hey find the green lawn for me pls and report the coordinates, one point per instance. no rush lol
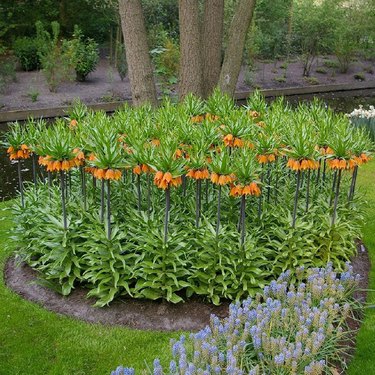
(35, 341)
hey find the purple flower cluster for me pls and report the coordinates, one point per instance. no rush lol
(293, 327)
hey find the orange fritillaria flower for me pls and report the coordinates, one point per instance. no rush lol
(337, 164)
(165, 180)
(198, 174)
(250, 189)
(302, 165)
(137, 170)
(254, 114)
(23, 153)
(112, 174)
(262, 159)
(221, 179)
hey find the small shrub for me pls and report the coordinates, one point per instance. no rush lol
(56, 63)
(312, 80)
(332, 64)
(280, 79)
(360, 76)
(321, 70)
(27, 51)
(33, 95)
(368, 69)
(83, 53)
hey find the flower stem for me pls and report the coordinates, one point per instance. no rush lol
(308, 190)
(198, 203)
(35, 179)
(63, 188)
(260, 197)
(183, 185)
(336, 197)
(318, 174)
(333, 187)
(353, 183)
(83, 186)
(109, 209)
(167, 208)
(218, 211)
(148, 194)
(243, 213)
(139, 191)
(20, 183)
(296, 199)
(102, 201)
(324, 169)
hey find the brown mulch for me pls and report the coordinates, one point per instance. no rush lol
(141, 314)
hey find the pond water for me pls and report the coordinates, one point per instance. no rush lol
(8, 169)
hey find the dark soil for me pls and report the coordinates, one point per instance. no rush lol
(105, 85)
(140, 314)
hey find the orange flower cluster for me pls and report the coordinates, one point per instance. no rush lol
(80, 156)
(326, 151)
(165, 180)
(231, 141)
(207, 116)
(155, 142)
(251, 189)
(198, 174)
(222, 179)
(22, 153)
(338, 163)
(138, 169)
(264, 159)
(302, 165)
(104, 174)
(58, 165)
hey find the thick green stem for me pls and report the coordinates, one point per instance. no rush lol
(296, 199)
(269, 182)
(102, 201)
(353, 183)
(243, 214)
(218, 211)
(63, 188)
(332, 193)
(139, 191)
(35, 178)
(308, 190)
(337, 192)
(198, 203)
(148, 194)
(109, 209)
(167, 208)
(83, 186)
(260, 197)
(20, 183)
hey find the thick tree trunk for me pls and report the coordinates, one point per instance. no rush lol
(190, 49)
(235, 46)
(212, 39)
(137, 53)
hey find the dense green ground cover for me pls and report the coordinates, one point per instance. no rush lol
(35, 341)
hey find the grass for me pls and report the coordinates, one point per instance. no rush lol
(363, 362)
(36, 341)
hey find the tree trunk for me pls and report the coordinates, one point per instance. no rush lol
(137, 53)
(212, 39)
(235, 46)
(190, 49)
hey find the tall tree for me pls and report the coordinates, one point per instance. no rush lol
(137, 52)
(235, 46)
(212, 40)
(190, 49)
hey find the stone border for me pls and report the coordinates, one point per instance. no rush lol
(24, 114)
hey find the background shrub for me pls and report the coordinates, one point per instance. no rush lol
(27, 51)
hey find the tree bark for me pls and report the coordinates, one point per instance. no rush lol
(190, 49)
(137, 53)
(235, 46)
(212, 39)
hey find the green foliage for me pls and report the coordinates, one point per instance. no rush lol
(27, 51)
(7, 70)
(55, 60)
(83, 53)
(121, 63)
